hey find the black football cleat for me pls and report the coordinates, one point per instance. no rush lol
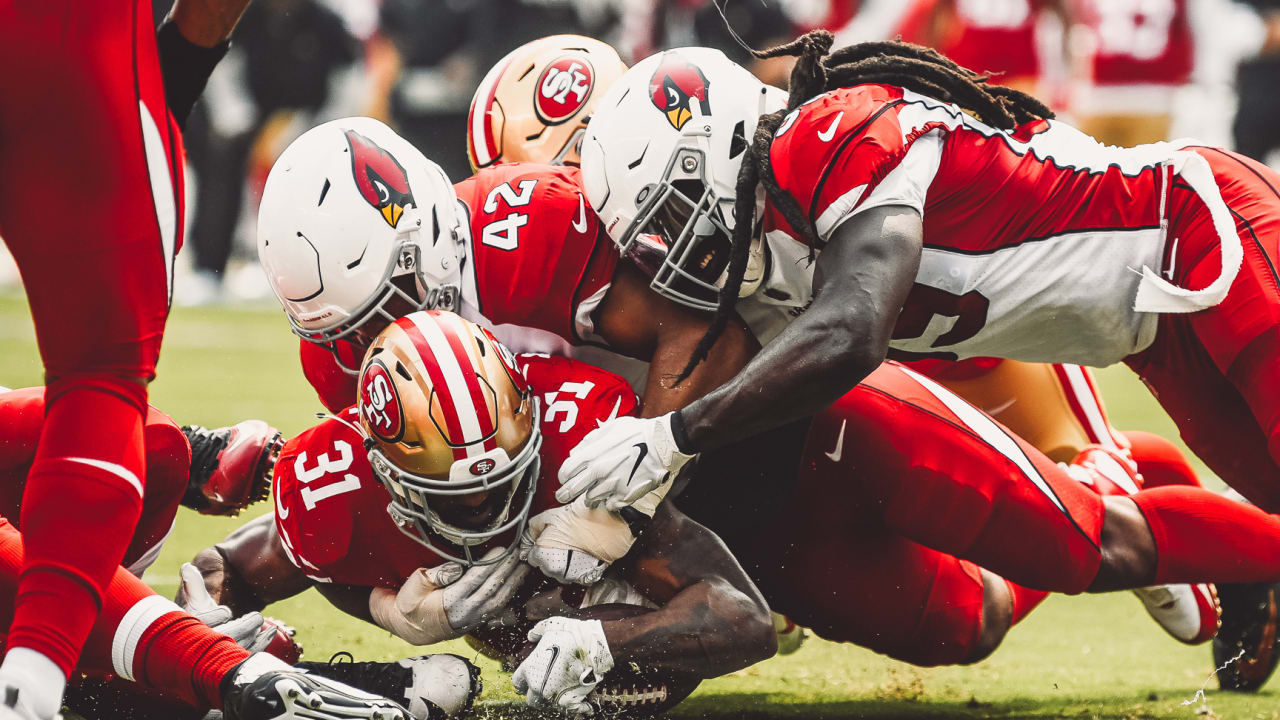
(230, 466)
(1246, 648)
(257, 690)
(432, 687)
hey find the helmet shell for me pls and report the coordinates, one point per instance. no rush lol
(533, 105)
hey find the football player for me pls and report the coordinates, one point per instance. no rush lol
(522, 113)
(883, 165)
(86, 123)
(533, 260)
(143, 638)
(463, 439)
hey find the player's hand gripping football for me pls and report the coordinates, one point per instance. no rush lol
(570, 659)
(449, 601)
(575, 544)
(250, 631)
(621, 462)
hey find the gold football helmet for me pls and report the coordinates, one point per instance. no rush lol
(534, 104)
(452, 433)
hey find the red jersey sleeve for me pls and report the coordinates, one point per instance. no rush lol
(539, 256)
(331, 512)
(832, 152)
(335, 386)
(574, 398)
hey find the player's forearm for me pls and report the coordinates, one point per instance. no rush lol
(861, 281)
(709, 629)
(811, 364)
(207, 23)
(249, 570)
(712, 620)
(223, 583)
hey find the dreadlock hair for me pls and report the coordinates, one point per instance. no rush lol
(817, 70)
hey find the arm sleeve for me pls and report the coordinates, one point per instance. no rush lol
(186, 69)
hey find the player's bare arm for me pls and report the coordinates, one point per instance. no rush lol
(712, 620)
(861, 281)
(249, 569)
(637, 322)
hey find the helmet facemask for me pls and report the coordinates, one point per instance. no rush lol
(404, 261)
(419, 505)
(694, 223)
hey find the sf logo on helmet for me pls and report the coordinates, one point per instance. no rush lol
(379, 403)
(563, 88)
(381, 178)
(674, 87)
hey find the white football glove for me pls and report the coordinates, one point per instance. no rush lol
(620, 462)
(448, 601)
(247, 630)
(575, 544)
(570, 659)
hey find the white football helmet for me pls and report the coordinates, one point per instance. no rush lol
(660, 163)
(354, 219)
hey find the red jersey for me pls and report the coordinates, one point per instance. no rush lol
(331, 511)
(1040, 244)
(1147, 42)
(168, 469)
(538, 263)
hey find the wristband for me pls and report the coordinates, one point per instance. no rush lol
(680, 434)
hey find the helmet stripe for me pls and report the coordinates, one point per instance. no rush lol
(482, 146)
(460, 403)
(438, 383)
(457, 333)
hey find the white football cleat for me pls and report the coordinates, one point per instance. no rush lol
(432, 687)
(265, 688)
(1189, 613)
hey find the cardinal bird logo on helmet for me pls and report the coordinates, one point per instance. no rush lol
(674, 87)
(381, 178)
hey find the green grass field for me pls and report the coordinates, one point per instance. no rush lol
(1080, 657)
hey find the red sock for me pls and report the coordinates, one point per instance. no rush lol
(1160, 461)
(1204, 537)
(180, 654)
(139, 635)
(1024, 601)
(81, 503)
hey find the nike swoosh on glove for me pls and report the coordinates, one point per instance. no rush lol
(569, 661)
(620, 462)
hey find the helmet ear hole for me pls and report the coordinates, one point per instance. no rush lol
(403, 372)
(738, 143)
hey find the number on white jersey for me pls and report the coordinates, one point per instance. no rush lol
(504, 233)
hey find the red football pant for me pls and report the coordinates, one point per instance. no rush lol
(139, 635)
(90, 188)
(1217, 371)
(22, 421)
(948, 477)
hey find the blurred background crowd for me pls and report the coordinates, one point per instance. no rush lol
(1125, 71)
